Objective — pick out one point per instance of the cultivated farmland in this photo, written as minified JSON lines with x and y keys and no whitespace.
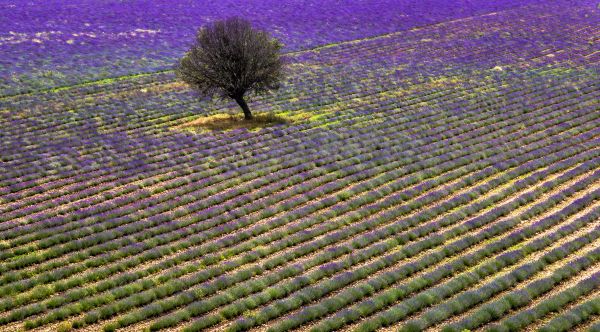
{"x":439,"y":170}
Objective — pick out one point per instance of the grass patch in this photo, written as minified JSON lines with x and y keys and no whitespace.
{"x":227,"y":122}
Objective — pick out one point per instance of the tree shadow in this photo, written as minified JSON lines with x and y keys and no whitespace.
{"x":227,"y":122}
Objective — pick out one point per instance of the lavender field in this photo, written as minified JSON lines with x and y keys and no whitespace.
{"x":440,"y":170}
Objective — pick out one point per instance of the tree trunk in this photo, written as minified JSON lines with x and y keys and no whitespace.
{"x":244,"y":106}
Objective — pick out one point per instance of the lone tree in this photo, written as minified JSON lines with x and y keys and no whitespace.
{"x":230,"y":58}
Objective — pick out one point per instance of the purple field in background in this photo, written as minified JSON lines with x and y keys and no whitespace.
{"x":55,"y":43}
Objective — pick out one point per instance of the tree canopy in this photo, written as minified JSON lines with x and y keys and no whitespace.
{"x":230,"y":58}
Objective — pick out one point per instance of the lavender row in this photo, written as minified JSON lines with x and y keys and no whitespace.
{"x":312,"y":292}
{"x":310,"y":249}
{"x":515,"y":299}
{"x":554,"y":303}
{"x":568,"y":320}
{"x":461,"y":263}
{"x":463,"y":281}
